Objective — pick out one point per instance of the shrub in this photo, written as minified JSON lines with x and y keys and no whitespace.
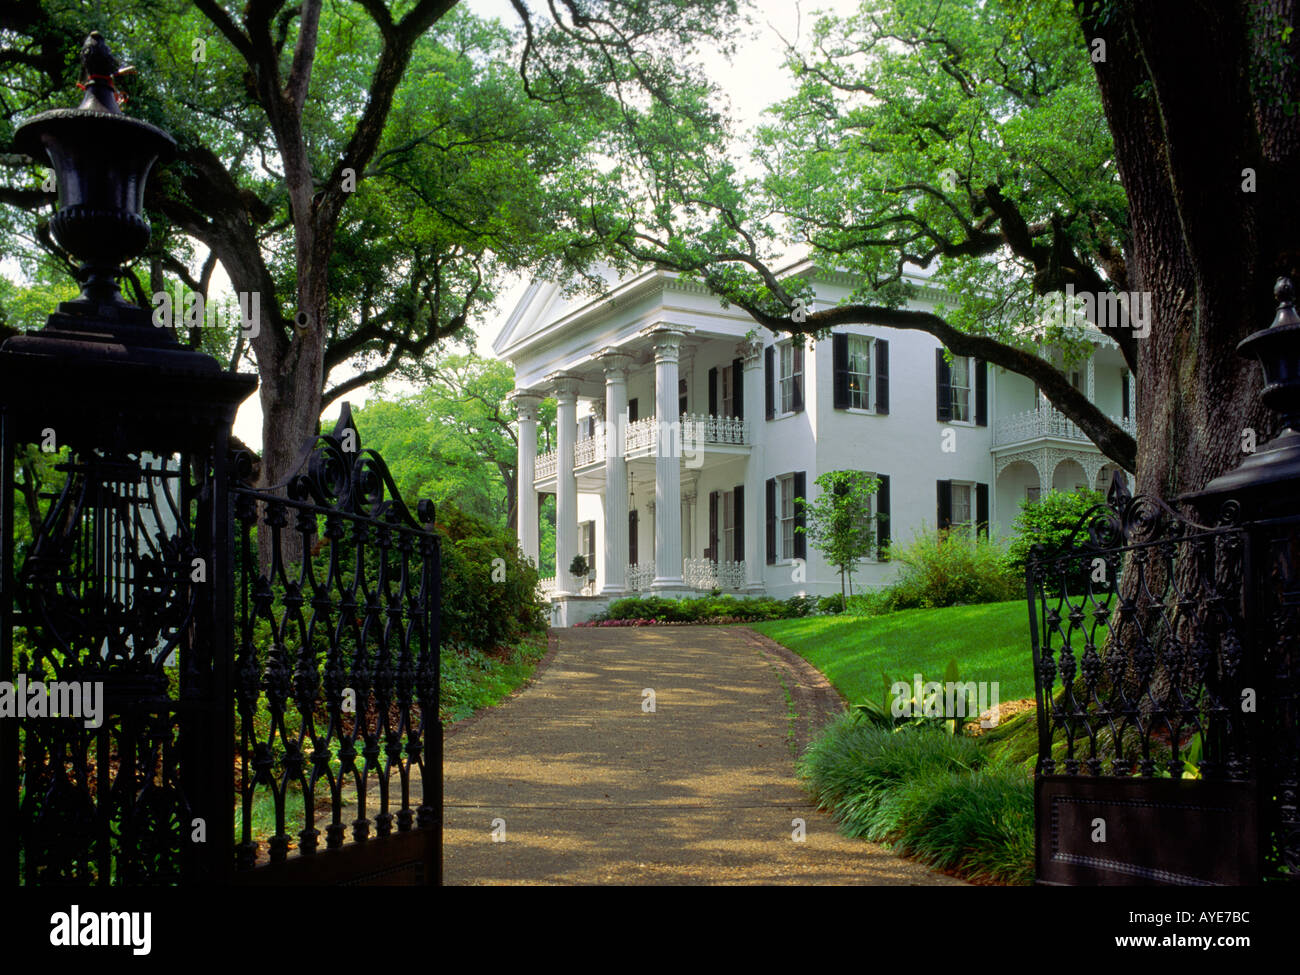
{"x":944,"y":568}
{"x":728,"y":609}
{"x":1048,"y":521}
{"x":476,"y":610}
{"x":831,"y":604}
{"x":934,"y":796}
{"x":874,"y":602}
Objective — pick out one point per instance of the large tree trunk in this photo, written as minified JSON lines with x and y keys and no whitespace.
{"x":1188,"y":124}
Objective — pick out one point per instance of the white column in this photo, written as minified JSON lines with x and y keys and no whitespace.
{"x":668,"y":471}
{"x":751,"y":354}
{"x":566,"y":483}
{"x":616,"y":540}
{"x":1092,"y":377}
{"x":525,"y":492}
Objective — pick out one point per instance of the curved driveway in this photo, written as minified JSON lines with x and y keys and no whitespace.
{"x":577,"y":781}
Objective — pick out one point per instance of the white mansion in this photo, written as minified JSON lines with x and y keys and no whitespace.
{"x":705,"y":498}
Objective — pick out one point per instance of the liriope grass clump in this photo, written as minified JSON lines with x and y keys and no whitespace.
{"x":931,"y":795}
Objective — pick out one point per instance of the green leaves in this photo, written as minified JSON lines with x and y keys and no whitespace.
{"x":839,"y":523}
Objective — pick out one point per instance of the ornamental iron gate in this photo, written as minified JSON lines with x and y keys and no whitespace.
{"x":1147,"y":768}
{"x":1166,"y":652}
{"x":336,"y":675}
{"x":190,"y":665}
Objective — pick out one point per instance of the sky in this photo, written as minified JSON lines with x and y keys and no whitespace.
{"x":752,"y":80}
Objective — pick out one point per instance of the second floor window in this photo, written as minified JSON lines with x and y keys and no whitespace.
{"x":791,"y":377}
{"x":859,"y":371}
{"x":961,"y":384}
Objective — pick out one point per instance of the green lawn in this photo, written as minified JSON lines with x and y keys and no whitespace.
{"x":990,"y":642}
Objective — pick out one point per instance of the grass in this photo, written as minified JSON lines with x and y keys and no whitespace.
{"x":475,"y":680}
{"x":962,"y":805}
{"x":990,"y":642}
{"x":945,"y":800}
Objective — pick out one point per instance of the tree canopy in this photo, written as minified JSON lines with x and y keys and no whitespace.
{"x":369,"y":169}
{"x":963,"y":137}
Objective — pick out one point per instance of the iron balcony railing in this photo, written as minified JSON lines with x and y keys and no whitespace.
{"x":693,"y":431}
{"x":706,"y":574}
{"x":1046,"y":422}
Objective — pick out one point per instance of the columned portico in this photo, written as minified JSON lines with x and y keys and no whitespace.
{"x":616,"y":365}
{"x":525,"y":491}
{"x":566,"y":482}
{"x":751,"y":354}
{"x":668,"y":475}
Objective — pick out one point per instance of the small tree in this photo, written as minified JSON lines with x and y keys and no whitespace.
{"x":839,"y":522}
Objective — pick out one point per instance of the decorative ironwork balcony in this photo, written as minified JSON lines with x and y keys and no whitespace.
{"x":694,"y":430}
{"x":639,"y":576}
{"x":707,"y":574}
{"x":589,"y":451}
{"x":1046,"y":422}
{"x":545,"y":465}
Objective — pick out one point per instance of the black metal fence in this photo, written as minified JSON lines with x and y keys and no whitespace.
{"x":1165,"y":660}
{"x":336,"y":677}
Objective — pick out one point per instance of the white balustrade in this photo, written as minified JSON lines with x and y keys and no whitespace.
{"x":547,"y":586}
{"x":589,"y":451}
{"x":640,"y":576}
{"x":545,"y":465}
{"x":707,"y":574}
{"x":1046,"y":422}
{"x":641,"y":434}
{"x":695,"y":429}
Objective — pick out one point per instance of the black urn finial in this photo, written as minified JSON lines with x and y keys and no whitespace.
{"x":101,"y":159}
{"x":99,"y":71}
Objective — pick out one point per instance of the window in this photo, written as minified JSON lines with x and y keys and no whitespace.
{"x":791,"y":377}
{"x":726,"y":400}
{"x":960,"y":381}
{"x":1033,"y":494}
{"x":961,"y":512}
{"x":786,"y":485}
{"x":728,"y":553}
{"x":587,"y":545}
{"x":681,"y":396}
{"x":859,"y":372}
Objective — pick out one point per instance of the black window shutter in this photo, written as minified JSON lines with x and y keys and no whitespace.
{"x":981,"y":393}
{"x":942,"y":388}
{"x":737,"y":389}
{"x":738,"y":521}
{"x":882,"y":376}
{"x":800,"y":516}
{"x":945,"y":504}
{"x":1123,"y":383}
{"x":633,"y":414}
{"x":982,"y":509}
{"x":771,"y":520}
{"x":713,"y":526}
{"x":591,"y":545}
{"x":882,"y":518}
{"x":796,"y":397}
{"x":769,"y":367}
{"x":840,"y":360}
{"x":713,"y":391}
{"x":631,"y":537}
